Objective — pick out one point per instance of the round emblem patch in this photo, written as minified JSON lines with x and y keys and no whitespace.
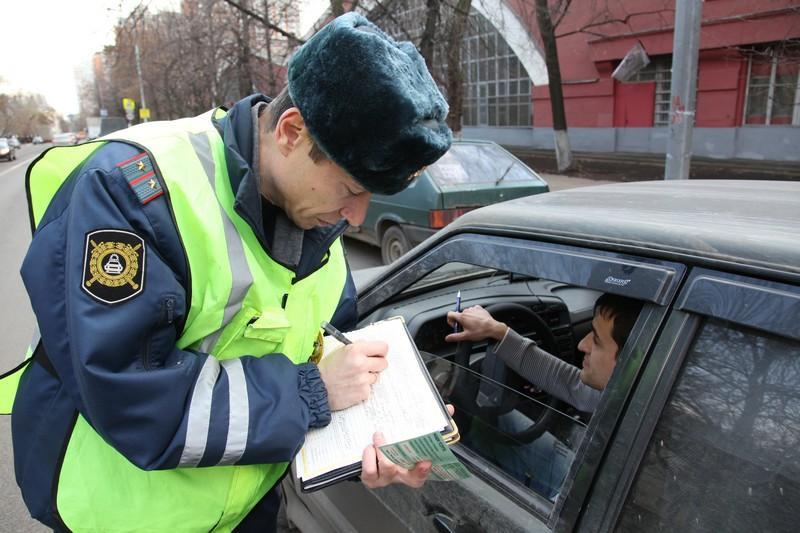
{"x":113,"y":265}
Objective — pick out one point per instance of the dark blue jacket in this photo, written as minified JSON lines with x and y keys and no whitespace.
{"x":118,"y":364}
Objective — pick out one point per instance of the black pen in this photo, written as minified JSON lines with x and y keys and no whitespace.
{"x":335,"y":333}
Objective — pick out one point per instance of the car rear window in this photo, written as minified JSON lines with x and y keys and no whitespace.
{"x":478,"y":163}
{"x":725,"y":455}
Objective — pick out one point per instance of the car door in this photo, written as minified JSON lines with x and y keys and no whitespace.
{"x":492,"y":499}
{"x":710,"y":441}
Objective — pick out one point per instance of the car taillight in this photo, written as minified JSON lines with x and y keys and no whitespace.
{"x":439,"y":218}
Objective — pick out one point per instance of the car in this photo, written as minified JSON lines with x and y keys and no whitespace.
{"x":67,"y":138}
{"x":699,"y":426}
{"x":471,"y":174}
{"x":13,"y":141}
{"x":7,"y":150}
{"x":37,"y":139}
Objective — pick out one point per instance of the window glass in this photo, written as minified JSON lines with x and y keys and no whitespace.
{"x":725,"y":455}
{"x":478,"y":163}
{"x":773,"y":88}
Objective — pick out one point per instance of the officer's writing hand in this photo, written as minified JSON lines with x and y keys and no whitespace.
{"x":350,"y":372}
{"x":476,"y":324}
{"x":378,"y":471}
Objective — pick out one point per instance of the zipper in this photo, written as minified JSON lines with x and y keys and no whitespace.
{"x":167,"y":318}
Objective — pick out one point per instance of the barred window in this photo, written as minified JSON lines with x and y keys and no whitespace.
{"x":773,"y":87}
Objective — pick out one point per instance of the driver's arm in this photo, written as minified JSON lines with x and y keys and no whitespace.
{"x":546,"y":371}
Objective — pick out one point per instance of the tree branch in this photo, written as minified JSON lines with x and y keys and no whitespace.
{"x":293,"y":39}
{"x":603,"y":22}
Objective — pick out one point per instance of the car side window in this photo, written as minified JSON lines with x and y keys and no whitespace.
{"x":732,"y":421}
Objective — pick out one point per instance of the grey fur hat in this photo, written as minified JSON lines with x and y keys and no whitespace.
{"x":369,"y":102}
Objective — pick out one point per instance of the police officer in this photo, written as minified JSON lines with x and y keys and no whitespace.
{"x":179,"y":273}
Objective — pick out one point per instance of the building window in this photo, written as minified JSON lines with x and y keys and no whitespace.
{"x":497,"y":89}
{"x":658,"y":70}
{"x":773,"y":88}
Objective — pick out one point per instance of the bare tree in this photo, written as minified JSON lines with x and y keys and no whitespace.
{"x":548,"y":35}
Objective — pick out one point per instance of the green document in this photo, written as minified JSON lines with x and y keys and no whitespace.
{"x":430,"y":447}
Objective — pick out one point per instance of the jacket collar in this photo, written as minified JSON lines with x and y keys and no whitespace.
{"x":236,"y":129}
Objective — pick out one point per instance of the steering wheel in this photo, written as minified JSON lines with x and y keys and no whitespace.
{"x":488,"y":400}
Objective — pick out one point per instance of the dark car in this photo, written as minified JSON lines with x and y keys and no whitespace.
{"x":698,"y":428}
{"x":7,"y":150}
{"x":471,"y":174}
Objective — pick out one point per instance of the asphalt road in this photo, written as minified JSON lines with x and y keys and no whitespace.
{"x":16,"y":320}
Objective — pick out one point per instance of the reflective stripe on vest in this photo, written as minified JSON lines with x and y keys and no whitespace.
{"x":236,"y":309}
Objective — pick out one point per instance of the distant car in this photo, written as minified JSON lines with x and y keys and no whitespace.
{"x":7,"y":150}
{"x":13,"y":141}
{"x":65,"y":138}
{"x":471,"y":174}
{"x":37,"y":139}
{"x":698,"y":428}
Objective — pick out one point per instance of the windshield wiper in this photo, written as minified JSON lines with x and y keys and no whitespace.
{"x":503,"y":175}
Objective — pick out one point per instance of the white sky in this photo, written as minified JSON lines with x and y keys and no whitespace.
{"x":46,"y":41}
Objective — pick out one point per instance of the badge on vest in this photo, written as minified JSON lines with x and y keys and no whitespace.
{"x":113,"y":265}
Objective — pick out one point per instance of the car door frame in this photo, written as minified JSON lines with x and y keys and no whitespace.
{"x":654,"y":280}
{"x":740,"y":299}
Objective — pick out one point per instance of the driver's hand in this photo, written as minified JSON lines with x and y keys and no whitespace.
{"x":476,"y":324}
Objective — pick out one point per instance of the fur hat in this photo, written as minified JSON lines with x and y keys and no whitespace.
{"x":369,"y":102}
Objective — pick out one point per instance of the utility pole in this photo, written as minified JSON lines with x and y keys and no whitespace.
{"x":688,"y":15}
{"x":143,"y":102}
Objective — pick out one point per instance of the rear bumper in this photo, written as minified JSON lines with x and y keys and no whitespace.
{"x":417,"y":234}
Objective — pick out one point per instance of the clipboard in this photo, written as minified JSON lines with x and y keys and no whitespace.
{"x":449,"y":432}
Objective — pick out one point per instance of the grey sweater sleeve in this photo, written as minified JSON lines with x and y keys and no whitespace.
{"x":546,"y":371}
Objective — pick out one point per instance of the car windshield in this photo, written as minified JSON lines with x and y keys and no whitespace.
{"x":4,"y":143}
{"x":479,"y":163}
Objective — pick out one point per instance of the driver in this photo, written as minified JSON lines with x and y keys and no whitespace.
{"x":614,"y":317}
{"x":543,"y":463}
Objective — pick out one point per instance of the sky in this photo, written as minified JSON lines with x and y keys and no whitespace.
{"x":47,"y":41}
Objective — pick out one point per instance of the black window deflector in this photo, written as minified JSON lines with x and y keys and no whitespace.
{"x":766,"y":305}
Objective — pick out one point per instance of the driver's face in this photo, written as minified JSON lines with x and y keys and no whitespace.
{"x":600,"y":353}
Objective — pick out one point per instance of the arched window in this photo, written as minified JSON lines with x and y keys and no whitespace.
{"x":497,"y":89}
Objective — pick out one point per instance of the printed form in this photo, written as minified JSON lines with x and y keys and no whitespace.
{"x":402,"y":406}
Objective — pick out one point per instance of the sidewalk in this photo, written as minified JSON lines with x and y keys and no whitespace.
{"x":618,"y":166}
{"x":560,"y":182}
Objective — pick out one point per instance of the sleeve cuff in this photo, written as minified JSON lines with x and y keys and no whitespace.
{"x":313,"y":392}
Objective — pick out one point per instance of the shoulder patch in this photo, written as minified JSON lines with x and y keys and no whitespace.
{"x":141,"y":176}
{"x":113,"y":265}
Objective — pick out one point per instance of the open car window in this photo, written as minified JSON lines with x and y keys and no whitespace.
{"x":530,"y":435}
{"x":549,"y":474}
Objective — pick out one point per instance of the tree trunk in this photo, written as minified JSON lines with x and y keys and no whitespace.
{"x":429,"y":33}
{"x":561,"y":139}
{"x":455,"y":75}
{"x":244,"y":67}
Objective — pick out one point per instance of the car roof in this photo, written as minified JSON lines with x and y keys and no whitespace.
{"x":739,"y":225}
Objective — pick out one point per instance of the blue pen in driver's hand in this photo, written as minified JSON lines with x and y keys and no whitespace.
{"x":458,"y":310}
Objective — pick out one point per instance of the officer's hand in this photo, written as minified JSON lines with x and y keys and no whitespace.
{"x":350,"y":372}
{"x":476,"y":324}
{"x":378,"y":471}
